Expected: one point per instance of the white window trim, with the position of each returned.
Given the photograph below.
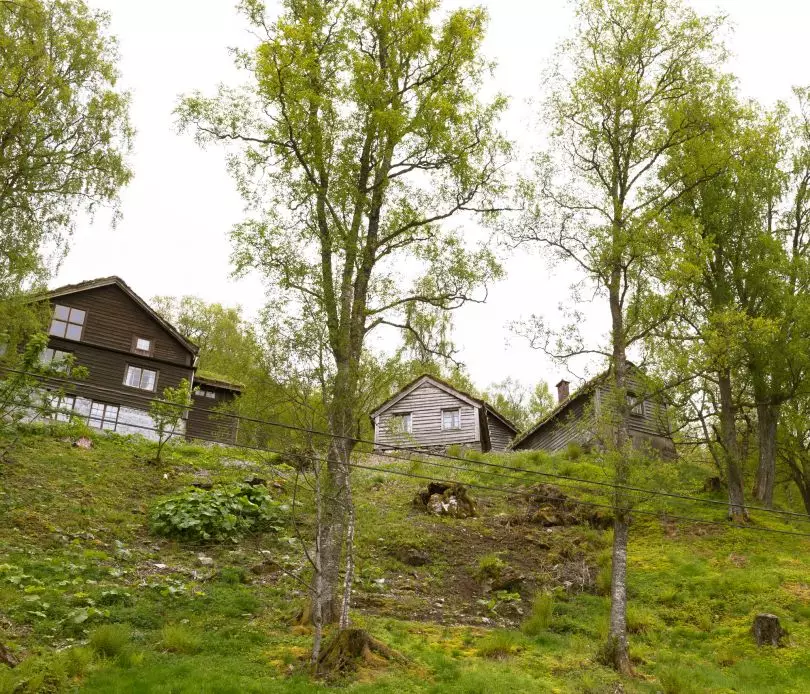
(140, 379)
(447, 411)
(103, 419)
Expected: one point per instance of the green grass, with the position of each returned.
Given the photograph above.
(92, 602)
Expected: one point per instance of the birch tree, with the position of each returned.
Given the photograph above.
(625, 93)
(358, 137)
(64, 130)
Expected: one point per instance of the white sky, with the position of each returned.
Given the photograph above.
(182, 202)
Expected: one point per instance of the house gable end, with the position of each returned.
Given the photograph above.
(116, 314)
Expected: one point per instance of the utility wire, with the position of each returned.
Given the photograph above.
(660, 515)
(537, 473)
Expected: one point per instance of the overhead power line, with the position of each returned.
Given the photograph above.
(572, 481)
(660, 515)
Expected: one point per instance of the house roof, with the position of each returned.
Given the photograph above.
(444, 385)
(584, 389)
(117, 281)
(217, 382)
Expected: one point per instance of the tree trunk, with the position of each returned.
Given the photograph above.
(767, 420)
(617, 647)
(336, 494)
(728, 434)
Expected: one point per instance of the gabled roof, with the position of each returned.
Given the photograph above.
(216, 382)
(445, 386)
(118, 282)
(583, 390)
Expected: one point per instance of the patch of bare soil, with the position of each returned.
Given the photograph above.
(524, 552)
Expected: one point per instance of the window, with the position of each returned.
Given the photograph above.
(138, 377)
(103, 416)
(401, 423)
(55, 358)
(142, 345)
(60, 407)
(635, 404)
(205, 393)
(67, 322)
(451, 419)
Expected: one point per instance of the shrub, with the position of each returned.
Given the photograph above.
(109, 640)
(490, 566)
(540, 618)
(500, 644)
(219, 514)
(176, 638)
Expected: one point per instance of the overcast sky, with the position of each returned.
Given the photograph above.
(178, 209)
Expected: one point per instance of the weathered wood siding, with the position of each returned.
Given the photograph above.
(205, 422)
(113, 319)
(499, 434)
(425, 404)
(575, 424)
(107, 370)
(651, 427)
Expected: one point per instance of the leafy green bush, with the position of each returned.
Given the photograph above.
(218, 514)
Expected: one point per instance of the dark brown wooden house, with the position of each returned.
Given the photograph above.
(207, 419)
(431, 414)
(131, 354)
(577, 417)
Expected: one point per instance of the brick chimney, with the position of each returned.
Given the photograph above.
(562, 390)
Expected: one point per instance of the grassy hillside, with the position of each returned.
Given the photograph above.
(91, 601)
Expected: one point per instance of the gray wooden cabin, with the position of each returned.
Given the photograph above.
(577, 415)
(430, 414)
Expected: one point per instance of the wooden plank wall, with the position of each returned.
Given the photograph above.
(499, 434)
(574, 424)
(205, 421)
(425, 404)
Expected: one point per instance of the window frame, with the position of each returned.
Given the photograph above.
(67, 322)
(205, 393)
(56, 412)
(65, 369)
(638, 409)
(147, 352)
(402, 416)
(140, 379)
(103, 419)
(448, 410)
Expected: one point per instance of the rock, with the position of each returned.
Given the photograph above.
(411, 556)
(7, 657)
(435, 505)
(203, 485)
(266, 567)
(256, 481)
(160, 567)
(509, 581)
(767, 630)
(443, 499)
(83, 442)
(205, 561)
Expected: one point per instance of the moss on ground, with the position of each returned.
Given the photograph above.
(92, 602)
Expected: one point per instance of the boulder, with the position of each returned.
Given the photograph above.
(411, 556)
(767, 630)
(442, 499)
